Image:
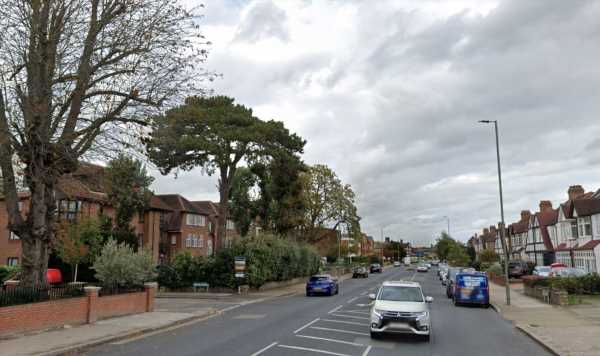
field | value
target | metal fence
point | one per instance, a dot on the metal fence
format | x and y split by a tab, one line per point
23	295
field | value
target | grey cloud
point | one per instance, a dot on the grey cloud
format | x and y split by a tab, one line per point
264	20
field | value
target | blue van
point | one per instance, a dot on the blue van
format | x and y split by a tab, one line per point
471	288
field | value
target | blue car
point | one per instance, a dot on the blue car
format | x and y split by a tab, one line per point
322	284
471	288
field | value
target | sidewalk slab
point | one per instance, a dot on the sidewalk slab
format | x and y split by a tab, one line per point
560	330
68	339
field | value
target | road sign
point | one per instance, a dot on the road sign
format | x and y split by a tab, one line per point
240	267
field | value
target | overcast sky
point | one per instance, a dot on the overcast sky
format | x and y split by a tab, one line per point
388	94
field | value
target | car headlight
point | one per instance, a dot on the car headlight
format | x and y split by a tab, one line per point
379	312
422	315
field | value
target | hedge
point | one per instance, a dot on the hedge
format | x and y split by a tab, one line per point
268	258
589	284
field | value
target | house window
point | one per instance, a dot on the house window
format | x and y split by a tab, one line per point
20	205
12	261
13	236
201	241
173	239
195	220
188	241
585	226
230	225
574	229
69	209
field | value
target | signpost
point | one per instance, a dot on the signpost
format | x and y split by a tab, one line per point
240	271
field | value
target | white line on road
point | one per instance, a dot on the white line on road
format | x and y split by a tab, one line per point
306	325
355	311
339	331
367	351
364	293
331	340
350	316
413	276
263	349
311	350
343	322
335	309
351	300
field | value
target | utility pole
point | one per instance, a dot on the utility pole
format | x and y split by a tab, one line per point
502	230
448	220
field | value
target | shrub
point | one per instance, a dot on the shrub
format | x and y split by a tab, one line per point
496	269
7	272
589	284
119	266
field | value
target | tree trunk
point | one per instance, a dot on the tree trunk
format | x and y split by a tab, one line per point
34	262
223	213
75	276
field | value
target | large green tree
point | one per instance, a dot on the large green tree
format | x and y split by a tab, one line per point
128	188
243	206
443	245
328	203
78	77
216	134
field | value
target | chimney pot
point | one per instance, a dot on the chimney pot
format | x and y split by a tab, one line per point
525	215
545	205
575	191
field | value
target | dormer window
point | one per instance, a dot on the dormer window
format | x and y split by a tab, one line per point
195	220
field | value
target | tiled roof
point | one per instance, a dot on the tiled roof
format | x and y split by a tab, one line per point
590	245
568	205
157	204
545	219
585	207
177	202
562	247
520	226
208	207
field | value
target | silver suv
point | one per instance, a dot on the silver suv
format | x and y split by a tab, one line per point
400	307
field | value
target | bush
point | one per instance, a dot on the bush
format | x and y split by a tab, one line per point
589	284
268	259
119	266
496	269
7	272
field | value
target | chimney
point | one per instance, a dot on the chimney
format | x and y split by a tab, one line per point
486	231
545	205
525	215
575	191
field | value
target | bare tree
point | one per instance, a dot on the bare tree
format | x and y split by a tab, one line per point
79	76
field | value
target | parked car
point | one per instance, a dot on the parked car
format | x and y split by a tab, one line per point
517	269
435	263
376	268
322	284
542	271
471	288
451	279
569	272
422	268
400	307
397	264
360	272
428	265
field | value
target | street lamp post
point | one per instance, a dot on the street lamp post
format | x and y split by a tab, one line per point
502	231
448	220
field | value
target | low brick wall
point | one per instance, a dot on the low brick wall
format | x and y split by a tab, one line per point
551	296
74	311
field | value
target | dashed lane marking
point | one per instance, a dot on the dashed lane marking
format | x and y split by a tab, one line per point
343	322
350	316
335	309
330	340
367	351
306	325
264	349
351	300
339	331
311	350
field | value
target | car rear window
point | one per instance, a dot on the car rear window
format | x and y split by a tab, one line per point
318	279
471	281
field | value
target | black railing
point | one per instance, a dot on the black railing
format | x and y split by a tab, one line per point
15	295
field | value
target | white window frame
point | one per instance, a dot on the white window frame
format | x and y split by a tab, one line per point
195	220
201	241
583	224
12	261
12	236
230	225
173	239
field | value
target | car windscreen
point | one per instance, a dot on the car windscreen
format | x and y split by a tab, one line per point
318	279
543	269
401	294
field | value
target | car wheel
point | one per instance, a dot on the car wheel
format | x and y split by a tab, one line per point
375	335
427	337
486	305
308	294
337	290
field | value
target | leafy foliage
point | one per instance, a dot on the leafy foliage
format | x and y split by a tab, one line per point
119	266
588	284
79	243
128	188
7	272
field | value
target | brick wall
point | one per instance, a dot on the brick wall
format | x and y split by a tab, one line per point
73	311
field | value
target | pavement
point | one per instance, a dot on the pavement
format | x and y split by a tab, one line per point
298	325
565	331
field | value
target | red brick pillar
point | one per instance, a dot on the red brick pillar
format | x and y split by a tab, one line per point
92	303
150	288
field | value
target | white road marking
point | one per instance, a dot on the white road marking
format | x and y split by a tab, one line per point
364	305
343	322
350	316
311	350
367	351
335	309
306	325
355	311
263	349
413	276
351	300
364	293
331	340
339	331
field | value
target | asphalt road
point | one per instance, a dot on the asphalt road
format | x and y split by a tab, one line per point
335	325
